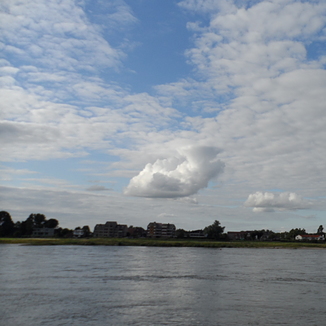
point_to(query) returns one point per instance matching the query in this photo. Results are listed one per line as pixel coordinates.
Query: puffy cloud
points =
(267, 201)
(179, 176)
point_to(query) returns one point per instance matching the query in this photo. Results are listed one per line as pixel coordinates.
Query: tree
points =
(320, 229)
(67, 233)
(6, 224)
(18, 229)
(39, 220)
(51, 223)
(86, 230)
(256, 234)
(214, 231)
(294, 232)
(64, 233)
(34, 221)
(28, 225)
(180, 233)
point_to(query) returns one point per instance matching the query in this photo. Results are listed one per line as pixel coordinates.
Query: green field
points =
(161, 243)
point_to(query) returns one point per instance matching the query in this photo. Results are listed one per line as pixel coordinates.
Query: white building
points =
(310, 237)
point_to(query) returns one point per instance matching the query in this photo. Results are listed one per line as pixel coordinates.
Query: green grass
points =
(160, 243)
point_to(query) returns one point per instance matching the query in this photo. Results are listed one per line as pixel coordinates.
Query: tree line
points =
(34, 221)
(214, 231)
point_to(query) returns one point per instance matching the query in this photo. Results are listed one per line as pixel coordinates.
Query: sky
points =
(179, 112)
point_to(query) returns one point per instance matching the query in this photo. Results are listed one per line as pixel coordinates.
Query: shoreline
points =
(162, 243)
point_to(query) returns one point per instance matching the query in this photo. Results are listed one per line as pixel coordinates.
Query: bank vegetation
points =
(162, 243)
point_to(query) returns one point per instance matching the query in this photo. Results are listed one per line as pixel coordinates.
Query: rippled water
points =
(77, 285)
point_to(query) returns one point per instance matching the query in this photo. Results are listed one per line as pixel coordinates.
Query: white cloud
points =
(207, 6)
(55, 34)
(8, 174)
(178, 176)
(166, 216)
(243, 45)
(189, 200)
(252, 57)
(267, 201)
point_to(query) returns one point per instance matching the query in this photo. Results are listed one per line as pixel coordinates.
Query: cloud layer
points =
(268, 202)
(75, 82)
(178, 176)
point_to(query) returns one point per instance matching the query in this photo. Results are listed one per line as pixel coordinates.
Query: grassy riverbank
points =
(161, 243)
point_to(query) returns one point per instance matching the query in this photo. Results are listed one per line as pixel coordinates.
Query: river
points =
(103, 285)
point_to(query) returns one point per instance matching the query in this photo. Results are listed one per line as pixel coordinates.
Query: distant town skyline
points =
(176, 111)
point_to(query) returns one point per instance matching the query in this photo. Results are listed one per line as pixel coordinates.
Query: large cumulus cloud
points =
(179, 176)
(268, 202)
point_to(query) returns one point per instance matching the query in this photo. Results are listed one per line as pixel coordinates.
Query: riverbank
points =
(162, 243)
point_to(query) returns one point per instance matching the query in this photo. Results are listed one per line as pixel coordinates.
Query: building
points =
(196, 234)
(78, 233)
(43, 232)
(110, 230)
(242, 235)
(160, 230)
(310, 237)
(249, 235)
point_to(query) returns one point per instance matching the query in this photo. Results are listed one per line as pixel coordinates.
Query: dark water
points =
(76, 285)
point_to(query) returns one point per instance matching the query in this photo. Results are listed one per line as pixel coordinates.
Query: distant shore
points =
(163, 243)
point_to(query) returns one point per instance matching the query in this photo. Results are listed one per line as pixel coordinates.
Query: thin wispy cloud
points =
(98, 188)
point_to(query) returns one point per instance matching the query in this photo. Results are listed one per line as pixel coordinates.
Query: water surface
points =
(103, 285)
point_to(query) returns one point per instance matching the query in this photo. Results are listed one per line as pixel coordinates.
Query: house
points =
(196, 234)
(110, 230)
(310, 237)
(43, 232)
(160, 230)
(78, 233)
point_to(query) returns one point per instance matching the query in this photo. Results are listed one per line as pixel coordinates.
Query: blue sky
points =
(169, 111)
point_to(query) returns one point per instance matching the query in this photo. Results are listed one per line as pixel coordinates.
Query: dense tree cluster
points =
(6, 224)
(34, 221)
(24, 228)
(214, 231)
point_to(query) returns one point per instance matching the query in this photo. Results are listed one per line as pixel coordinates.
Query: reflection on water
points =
(77, 285)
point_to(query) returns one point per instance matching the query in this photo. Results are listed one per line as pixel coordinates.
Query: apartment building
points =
(160, 230)
(110, 230)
